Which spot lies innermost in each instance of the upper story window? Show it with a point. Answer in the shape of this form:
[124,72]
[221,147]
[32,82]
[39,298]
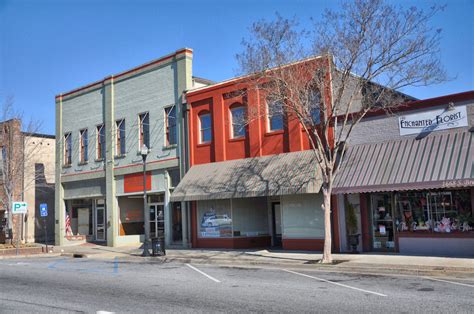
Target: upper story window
[120,137]
[84,142]
[144,129]
[100,141]
[205,128]
[170,125]
[67,149]
[237,117]
[275,115]
[315,107]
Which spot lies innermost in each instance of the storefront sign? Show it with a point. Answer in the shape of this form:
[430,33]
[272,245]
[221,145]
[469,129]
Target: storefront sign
[434,120]
[134,182]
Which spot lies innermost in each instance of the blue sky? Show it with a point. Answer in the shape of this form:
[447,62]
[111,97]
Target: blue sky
[52,46]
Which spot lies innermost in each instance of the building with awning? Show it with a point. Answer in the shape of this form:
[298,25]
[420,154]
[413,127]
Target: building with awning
[275,175]
[410,178]
[443,160]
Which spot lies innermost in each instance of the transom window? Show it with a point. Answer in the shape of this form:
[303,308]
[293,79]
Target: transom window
[120,137]
[275,115]
[84,141]
[100,140]
[205,128]
[144,129]
[67,149]
[237,116]
[170,123]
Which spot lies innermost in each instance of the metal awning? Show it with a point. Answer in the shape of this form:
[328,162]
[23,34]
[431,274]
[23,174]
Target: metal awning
[440,160]
[282,174]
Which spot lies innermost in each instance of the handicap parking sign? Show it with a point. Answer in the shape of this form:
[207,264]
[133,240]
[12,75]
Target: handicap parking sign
[44,210]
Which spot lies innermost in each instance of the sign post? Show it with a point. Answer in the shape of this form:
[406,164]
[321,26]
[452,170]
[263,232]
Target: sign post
[19,208]
[44,214]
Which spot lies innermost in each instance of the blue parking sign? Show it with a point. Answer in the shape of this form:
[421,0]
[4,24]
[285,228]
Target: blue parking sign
[44,210]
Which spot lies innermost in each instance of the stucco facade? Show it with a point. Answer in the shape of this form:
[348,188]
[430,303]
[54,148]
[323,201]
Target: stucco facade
[133,108]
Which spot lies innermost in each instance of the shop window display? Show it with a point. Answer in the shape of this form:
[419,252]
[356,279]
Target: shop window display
[215,219]
[434,211]
[382,222]
[303,217]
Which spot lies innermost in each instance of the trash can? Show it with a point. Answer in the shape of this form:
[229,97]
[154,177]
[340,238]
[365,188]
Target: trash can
[158,247]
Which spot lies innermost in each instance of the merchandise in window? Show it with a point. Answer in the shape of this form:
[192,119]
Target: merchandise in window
[435,211]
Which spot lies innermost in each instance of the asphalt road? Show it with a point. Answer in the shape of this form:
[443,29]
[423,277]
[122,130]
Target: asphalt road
[60,284]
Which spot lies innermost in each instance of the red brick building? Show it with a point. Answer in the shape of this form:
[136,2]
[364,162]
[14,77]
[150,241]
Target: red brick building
[251,184]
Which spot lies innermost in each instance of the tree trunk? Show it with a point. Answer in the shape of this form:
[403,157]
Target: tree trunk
[327,255]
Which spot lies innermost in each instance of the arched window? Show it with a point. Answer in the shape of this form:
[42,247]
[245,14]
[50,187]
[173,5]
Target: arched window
[275,115]
[237,120]
[205,127]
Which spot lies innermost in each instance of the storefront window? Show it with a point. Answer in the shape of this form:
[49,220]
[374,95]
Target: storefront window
[215,219]
[436,211]
[131,215]
[250,217]
[303,216]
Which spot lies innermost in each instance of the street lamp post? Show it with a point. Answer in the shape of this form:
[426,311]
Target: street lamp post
[146,212]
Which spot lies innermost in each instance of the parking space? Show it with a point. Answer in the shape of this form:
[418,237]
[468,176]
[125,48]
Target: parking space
[119,285]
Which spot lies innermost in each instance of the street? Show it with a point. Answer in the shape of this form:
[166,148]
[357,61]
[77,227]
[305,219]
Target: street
[64,284]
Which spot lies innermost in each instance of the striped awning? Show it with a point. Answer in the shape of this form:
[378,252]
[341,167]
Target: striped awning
[441,160]
[282,174]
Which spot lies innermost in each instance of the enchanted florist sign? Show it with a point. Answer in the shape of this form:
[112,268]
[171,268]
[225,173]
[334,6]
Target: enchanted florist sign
[19,208]
[433,120]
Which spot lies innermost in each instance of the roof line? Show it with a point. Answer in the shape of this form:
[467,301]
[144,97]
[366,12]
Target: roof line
[237,78]
[161,59]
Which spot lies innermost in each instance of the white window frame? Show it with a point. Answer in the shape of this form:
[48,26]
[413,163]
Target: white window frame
[236,107]
[201,141]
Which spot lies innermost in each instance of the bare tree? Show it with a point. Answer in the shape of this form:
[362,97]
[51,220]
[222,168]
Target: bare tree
[19,151]
[351,62]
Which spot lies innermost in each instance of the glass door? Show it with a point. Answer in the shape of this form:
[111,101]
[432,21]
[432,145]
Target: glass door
[383,232]
[100,219]
[157,226]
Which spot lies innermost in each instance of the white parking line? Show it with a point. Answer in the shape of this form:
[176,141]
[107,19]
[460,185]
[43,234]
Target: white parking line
[202,273]
[452,282]
[335,283]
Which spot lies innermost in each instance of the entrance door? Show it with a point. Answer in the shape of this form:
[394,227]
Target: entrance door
[100,221]
[383,227]
[157,226]
[276,222]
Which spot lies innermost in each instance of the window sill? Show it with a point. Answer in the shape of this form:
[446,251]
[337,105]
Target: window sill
[67,166]
[99,159]
[276,132]
[237,139]
[120,156]
[169,147]
[82,163]
[204,144]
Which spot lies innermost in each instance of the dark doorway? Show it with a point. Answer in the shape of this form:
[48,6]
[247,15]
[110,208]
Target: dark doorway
[177,222]
[276,224]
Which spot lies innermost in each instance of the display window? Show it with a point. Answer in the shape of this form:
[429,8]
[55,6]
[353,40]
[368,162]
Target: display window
[434,211]
[214,219]
[383,233]
[303,217]
[250,217]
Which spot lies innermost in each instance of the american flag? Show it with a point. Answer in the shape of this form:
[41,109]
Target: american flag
[68,226]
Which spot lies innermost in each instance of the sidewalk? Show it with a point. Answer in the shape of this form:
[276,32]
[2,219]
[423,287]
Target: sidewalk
[360,263]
